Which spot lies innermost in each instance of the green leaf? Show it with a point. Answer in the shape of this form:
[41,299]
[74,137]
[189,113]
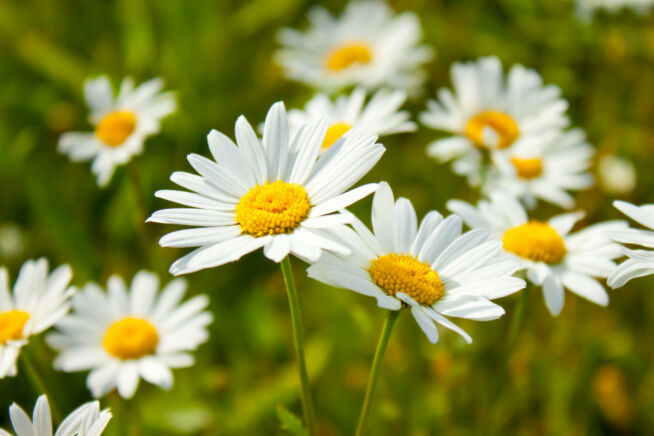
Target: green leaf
[290,422]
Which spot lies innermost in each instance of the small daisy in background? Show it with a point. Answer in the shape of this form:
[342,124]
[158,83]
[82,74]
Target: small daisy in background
[640,262]
[367,46]
[543,168]
[38,300]
[86,420]
[274,193]
[489,112]
[121,124]
[585,9]
[432,269]
[553,257]
[124,335]
[380,116]
[617,174]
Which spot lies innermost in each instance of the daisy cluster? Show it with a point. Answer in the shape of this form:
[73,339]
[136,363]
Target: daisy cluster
[286,191]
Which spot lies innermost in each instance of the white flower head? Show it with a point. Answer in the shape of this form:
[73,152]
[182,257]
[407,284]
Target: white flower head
[274,193]
[543,167]
[433,269]
[121,124]
[487,112]
[617,174]
[553,257]
[380,116]
[37,301]
[640,262]
[128,334]
[86,420]
[366,46]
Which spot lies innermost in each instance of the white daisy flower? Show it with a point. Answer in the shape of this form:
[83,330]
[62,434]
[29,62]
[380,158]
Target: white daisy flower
[367,45]
[432,268]
[121,124]
[380,116]
[586,8]
[617,174]
[553,257]
[86,420]
[125,335]
[37,301]
[640,262]
[544,168]
[271,193]
[488,112]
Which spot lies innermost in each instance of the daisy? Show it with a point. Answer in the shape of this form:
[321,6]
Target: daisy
[86,420]
[271,193]
[367,46]
[37,301]
[490,112]
[640,262]
[552,256]
[380,116]
[586,8]
[432,269]
[617,174]
[121,124]
[544,168]
[125,335]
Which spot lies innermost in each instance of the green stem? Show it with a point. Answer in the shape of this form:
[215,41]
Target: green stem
[38,384]
[519,316]
[376,366]
[296,321]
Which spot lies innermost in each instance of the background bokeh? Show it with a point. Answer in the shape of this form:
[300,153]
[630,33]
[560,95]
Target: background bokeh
[589,371]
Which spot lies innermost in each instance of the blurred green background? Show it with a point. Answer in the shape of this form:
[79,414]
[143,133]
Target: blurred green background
[589,371]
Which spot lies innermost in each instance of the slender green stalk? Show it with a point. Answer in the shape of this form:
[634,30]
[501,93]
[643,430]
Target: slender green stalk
[519,316]
[37,382]
[296,321]
[376,366]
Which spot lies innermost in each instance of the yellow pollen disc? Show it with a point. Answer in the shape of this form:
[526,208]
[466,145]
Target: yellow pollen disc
[347,55]
[131,338]
[272,208]
[404,273]
[529,168]
[115,128]
[334,133]
[503,125]
[12,324]
[535,241]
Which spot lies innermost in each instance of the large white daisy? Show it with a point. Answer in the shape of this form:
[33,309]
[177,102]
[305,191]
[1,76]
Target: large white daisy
[271,193]
[544,168]
[553,257]
[37,301]
[380,116]
[367,46]
[640,262]
[125,335]
[121,124]
[432,268]
[487,111]
[86,420]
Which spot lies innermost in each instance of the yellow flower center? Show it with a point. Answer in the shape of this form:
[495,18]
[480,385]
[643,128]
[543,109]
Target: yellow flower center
[347,55]
[334,133]
[504,126]
[12,324]
[272,208]
[529,168]
[115,128]
[535,241]
[404,273]
[131,338]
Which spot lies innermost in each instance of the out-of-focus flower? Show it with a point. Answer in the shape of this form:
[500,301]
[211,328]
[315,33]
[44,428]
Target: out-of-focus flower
[610,395]
[366,46]
[553,257]
[272,193]
[86,420]
[125,335]
[586,8]
[11,241]
[490,112]
[539,168]
[121,124]
[617,175]
[432,269]
[37,301]
[380,116]
[640,262]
